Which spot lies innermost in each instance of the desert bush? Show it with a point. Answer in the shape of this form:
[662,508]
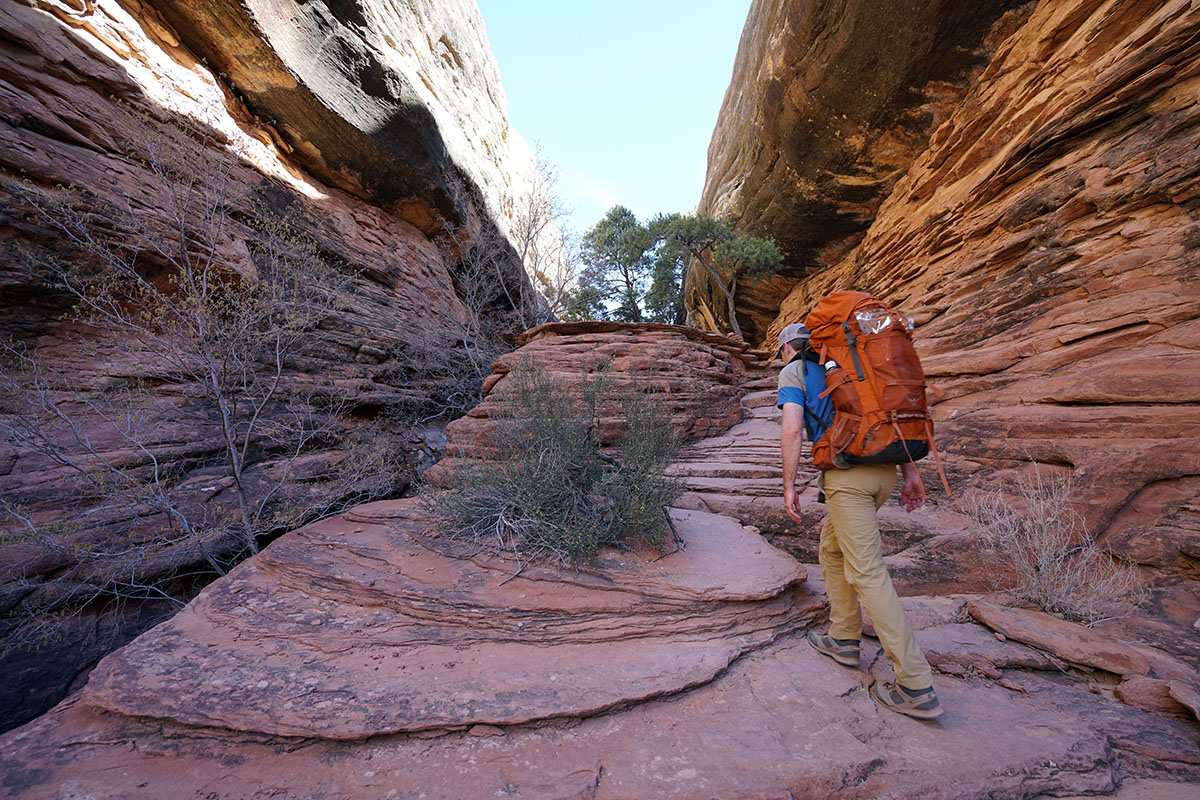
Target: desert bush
[544,486]
[1045,554]
[189,341]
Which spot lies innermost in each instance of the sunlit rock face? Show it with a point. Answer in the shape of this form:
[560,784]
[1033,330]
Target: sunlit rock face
[828,106]
[380,127]
[1044,238]
[694,374]
[398,102]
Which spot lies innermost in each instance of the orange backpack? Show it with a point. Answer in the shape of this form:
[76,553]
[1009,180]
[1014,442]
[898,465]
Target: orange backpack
[876,385]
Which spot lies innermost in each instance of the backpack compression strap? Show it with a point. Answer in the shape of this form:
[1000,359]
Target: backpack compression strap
[851,339]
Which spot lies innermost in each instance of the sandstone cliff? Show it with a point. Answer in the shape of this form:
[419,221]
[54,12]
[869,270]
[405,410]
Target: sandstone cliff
[695,374]
[381,128]
[1039,223]
[828,105]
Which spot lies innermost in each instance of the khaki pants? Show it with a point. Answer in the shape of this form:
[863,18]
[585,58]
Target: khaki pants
[851,557]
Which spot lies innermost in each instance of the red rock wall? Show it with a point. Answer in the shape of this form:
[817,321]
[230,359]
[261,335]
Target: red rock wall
[67,73]
[696,375]
[828,105]
[1046,242]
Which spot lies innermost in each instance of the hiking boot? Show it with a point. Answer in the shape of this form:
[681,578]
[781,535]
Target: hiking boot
[918,703]
[843,651]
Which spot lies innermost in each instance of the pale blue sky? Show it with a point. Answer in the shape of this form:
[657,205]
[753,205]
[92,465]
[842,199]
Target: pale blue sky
[622,95]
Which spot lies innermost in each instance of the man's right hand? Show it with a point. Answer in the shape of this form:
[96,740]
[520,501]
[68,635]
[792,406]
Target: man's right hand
[791,503]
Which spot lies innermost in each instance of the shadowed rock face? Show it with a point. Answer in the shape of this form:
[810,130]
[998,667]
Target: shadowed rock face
[397,102]
[828,106]
[359,133]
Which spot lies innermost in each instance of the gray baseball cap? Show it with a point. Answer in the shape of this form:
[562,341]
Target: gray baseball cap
[791,333]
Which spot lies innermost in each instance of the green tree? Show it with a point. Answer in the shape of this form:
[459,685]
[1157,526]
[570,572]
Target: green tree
[664,301]
[724,254]
[617,266]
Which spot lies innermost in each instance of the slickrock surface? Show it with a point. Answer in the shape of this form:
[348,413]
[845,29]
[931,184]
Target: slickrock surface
[358,658]
[355,626]
[696,374]
[782,720]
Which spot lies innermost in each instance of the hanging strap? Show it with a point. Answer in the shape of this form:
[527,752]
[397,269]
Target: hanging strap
[907,452]
[851,339]
[937,458]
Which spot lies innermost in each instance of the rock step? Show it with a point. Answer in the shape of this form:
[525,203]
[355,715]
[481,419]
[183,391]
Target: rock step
[746,489]
[357,626]
[716,469]
[768,381]
[759,399]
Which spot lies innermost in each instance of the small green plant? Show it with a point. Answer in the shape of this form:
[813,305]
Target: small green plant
[1046,555]
[545,487]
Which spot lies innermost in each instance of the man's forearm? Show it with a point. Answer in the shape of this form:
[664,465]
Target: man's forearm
[791,439]
[791,457]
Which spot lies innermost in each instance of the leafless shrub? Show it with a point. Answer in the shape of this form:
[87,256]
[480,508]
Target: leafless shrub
[507,283]
[543,243]
[1038,539]
[168,309]
[453,360]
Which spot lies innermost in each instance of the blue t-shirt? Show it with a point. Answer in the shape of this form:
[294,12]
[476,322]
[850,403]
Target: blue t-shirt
[802,383]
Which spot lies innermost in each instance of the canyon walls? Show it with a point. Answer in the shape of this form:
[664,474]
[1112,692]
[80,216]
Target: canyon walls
[1039,223]
[377,130]
[828,105]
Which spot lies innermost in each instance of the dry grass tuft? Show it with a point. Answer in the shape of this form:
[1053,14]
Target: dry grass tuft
[1037,536]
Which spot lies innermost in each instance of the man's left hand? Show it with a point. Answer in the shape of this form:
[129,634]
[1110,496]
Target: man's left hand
[912,496]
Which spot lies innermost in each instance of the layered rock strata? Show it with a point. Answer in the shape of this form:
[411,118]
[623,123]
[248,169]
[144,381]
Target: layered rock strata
[1043,237]
[829,104]
[360,625]
[352,658]
[364,654]
[696,375]
[357,137]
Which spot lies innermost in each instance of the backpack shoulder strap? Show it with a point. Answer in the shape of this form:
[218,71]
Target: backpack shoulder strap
[816,423]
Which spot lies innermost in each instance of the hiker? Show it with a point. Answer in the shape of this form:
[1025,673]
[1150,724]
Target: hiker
[851,554]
